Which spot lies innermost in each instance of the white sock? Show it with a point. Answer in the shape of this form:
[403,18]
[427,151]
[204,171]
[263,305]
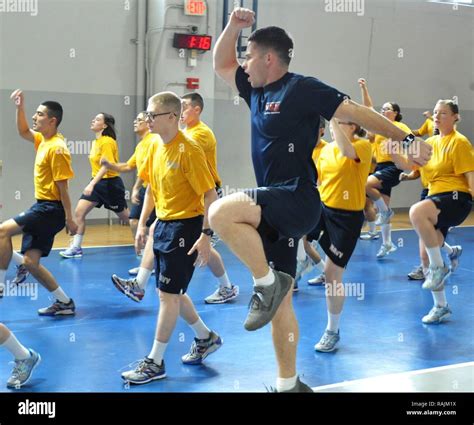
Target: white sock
[157,351]
[320,265]
[61,296]
[447,248]
[371,226]
[2,276]
[333,322]
[17,258]
[285,384]
[439,298]
[200,329]
[13,346]
[386,233]
[224,281]
[301,253]
[77,241]
[265,280]
[381,205]
[143,277]
[434,254]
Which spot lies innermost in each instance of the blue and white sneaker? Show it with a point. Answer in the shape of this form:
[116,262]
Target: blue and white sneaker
[222,295]
[59,309]
[146,371]
[71,252]
[318,280]
[386,249]
[303,267]
[384,217]
[436,277]
[201,348]
[437,315]
[454,257]
[23,369]
[328,341]
[21,274]
[369,236]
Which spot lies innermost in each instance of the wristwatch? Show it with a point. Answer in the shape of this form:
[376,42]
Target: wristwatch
[207,232]
[408,140]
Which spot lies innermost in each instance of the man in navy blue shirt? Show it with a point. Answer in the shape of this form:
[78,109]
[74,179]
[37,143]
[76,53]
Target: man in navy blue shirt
[263,225]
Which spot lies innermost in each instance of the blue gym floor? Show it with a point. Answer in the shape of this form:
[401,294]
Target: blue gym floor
[381,334]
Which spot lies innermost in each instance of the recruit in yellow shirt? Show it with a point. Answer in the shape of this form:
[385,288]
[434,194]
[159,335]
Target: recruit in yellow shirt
[141,152]
[343,179]
[427,128]
[202,134]
[103,147]
[317,151]
[453,155]
[52,163]
[178,176]
[380,150]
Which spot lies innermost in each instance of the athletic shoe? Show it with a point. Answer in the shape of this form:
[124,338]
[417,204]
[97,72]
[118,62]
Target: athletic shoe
[417,274]
[386,249]
[129,287]
[23,369]
[71,252]
[266,300]
[454,257]
[146,371]
[437,315]
[303,267]
[384,217]
[135,271]
[300,387]
[21,274]
[369,236]
[222,295]
[58,309]
[328,341]
[318,280]
[201,348]
[436,277]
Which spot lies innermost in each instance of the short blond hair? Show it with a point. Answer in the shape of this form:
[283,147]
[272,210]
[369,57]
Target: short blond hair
[167,100]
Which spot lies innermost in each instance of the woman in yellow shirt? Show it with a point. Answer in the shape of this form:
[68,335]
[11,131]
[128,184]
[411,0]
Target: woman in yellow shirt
[106,187]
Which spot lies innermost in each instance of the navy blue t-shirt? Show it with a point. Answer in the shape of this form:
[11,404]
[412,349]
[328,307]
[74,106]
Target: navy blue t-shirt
[285,123]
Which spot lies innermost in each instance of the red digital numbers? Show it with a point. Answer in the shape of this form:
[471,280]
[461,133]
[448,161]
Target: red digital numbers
[188,41]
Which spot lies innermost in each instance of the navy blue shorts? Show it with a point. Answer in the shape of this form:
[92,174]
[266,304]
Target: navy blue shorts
[289,211]
[136,210]
[389,176]
[40,225]
[109,193]
[171,242]
[423,194]
[338,232]
[454,208]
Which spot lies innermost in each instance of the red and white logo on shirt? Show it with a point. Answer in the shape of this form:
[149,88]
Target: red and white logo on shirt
[272,107]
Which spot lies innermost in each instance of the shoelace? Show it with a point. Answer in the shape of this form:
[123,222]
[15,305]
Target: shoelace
[19,368]
[257,300]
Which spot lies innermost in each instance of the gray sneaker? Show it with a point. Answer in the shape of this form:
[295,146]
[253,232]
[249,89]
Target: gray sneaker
[384,217]
[146,371]
[129,287]
[59,309]
[23,369]
[436,277]
[416,274]
[201,348]
[300,387]
[21,274]
[437,315]
[266,300]
[454,257]
[328,341]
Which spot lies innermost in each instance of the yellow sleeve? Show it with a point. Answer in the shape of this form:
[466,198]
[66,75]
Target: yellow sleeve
[107,151]
[463,156]
[196,170]
[364,151]
[61,165]
[38,139]
[132,162]
[144,172]
[424,129]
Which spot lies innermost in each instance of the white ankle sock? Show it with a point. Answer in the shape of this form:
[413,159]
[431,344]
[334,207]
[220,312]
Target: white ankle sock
[447,248]
[372,227]
[333,322]
[381,205]
[320,265]
[200,329]
[2,276]
[434,254]
[61,296]
[77,241]
[143,277]
[224,281]
[13,346]
[439,298]
[265,280]
[300,253]
[157,351]
[17,258]
[386,234]
[285,384]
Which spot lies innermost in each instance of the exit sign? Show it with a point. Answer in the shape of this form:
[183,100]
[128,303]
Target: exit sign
[195,7]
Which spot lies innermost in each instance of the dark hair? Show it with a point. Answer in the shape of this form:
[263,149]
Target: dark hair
[359,131]
[396,109]
[109,120]
[54,110]
[274,38]
[196,99]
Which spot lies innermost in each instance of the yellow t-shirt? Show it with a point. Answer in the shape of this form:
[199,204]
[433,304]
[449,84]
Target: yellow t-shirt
[317,151]
[178,176]
[427,128]
[373,164]
[103,147]
[380,151]
[453,155]
[52,163]
[343,179]
[141,152]
[202,134]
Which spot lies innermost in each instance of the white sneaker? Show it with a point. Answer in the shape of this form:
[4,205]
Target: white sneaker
[437,315]
[369,236]
[386,249]
[223,295]
[318,280]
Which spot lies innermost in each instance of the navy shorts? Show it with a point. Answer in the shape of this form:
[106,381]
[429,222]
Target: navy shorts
[171,242]
[40,225]
[109,193]
[136,209]
[338,232]
[389,176]
[454,208]
[423,194]
[289,211]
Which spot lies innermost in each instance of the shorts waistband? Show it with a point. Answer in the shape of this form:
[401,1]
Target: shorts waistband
[182,220]
[387,163]
[42,201]
[339,210]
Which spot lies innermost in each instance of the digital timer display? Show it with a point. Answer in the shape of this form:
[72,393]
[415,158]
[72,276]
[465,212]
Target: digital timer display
[193,42]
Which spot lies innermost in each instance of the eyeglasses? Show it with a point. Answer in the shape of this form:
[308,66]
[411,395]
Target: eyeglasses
[150,116]
[387,109]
